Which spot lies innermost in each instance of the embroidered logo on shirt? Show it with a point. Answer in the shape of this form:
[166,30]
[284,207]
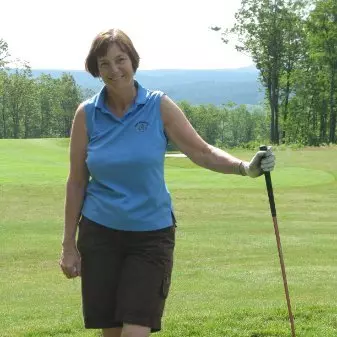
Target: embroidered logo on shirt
[142,126]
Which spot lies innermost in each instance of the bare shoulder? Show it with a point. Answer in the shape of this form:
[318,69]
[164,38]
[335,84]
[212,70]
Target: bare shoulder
[80,111]
[166,101]
[170,110]
[78,146]
[79,120]
[180,131]
[79,130]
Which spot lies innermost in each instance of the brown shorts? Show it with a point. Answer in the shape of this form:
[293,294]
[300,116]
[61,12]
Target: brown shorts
[126,275]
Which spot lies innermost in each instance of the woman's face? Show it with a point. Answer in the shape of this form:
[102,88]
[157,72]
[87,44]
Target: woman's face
[115,68]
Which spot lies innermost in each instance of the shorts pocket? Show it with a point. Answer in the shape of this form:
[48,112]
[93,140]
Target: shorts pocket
[165,286]
[91,235]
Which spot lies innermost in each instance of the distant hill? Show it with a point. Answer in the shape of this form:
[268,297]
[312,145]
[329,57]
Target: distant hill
[195,86]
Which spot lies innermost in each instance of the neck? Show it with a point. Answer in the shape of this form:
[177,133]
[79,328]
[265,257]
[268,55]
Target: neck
[120,100]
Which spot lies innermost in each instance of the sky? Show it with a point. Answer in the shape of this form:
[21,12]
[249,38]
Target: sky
[168,34]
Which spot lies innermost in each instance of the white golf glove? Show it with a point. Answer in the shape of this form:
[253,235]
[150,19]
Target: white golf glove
[263,161]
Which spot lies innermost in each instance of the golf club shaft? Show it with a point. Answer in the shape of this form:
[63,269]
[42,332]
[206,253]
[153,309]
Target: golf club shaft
[283,269]
[279,246]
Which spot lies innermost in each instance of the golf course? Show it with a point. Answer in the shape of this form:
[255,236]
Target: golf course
[227,280]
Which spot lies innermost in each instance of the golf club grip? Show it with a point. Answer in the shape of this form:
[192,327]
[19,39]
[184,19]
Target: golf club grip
[269,186]
[270,193]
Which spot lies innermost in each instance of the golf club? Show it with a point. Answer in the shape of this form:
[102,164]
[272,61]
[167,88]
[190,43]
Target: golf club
[277,233]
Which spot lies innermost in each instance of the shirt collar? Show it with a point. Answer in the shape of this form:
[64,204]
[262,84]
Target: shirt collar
[141,98]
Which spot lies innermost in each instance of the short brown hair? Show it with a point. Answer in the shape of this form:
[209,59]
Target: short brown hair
[102,42]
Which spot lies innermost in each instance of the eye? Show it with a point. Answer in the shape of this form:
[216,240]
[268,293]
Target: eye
[103,64]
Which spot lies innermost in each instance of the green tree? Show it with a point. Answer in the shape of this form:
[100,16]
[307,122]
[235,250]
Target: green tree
[19,101]
[70,96]
[4,53]
[295,51]
[322,26]
[4,129]
[48,105]
[266,31]
[312,110]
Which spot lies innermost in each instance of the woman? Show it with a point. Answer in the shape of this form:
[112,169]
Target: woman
[116,193]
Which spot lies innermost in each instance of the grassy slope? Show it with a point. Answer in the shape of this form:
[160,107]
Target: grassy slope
[227,279]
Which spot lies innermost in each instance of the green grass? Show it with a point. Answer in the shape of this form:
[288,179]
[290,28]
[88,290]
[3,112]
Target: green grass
[226,280]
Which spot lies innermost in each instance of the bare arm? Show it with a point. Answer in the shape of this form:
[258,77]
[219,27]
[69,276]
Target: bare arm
[185,137]
[77,179]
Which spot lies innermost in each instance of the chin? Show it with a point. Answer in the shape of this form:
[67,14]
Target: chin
[119,84]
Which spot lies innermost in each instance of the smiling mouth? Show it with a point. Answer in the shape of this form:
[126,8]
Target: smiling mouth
[115,78]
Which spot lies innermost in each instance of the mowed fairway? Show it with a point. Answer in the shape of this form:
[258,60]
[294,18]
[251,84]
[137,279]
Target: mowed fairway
[227,279]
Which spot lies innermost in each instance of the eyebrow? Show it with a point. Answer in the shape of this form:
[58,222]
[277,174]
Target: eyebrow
[104,58]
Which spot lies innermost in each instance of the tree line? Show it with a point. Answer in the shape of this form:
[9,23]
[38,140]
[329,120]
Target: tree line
[36,107]
[43,107]
[293,44]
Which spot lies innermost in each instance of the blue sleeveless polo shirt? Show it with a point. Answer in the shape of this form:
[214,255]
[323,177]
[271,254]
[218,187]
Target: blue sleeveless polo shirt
[125,159]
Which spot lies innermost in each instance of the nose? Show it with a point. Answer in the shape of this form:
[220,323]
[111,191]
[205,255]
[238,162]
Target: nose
[113,67]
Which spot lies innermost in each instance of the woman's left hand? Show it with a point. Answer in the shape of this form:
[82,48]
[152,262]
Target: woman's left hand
[263,161]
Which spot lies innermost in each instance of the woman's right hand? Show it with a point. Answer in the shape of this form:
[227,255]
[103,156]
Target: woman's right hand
[70,262]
